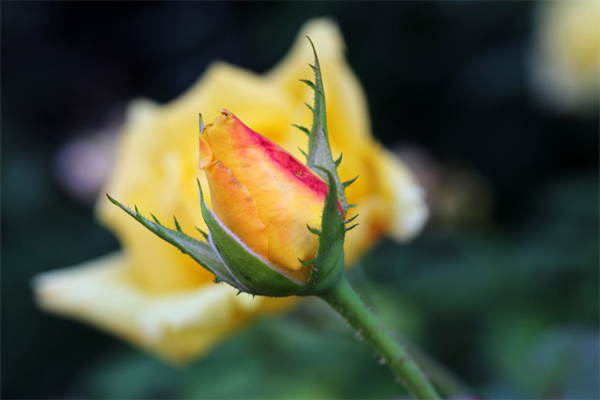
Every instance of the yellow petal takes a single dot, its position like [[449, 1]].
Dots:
[[347, 117], [156, 169], [150, 161], [206, 154], [176, 327], [566, 57], [405, 204], [370, 228]]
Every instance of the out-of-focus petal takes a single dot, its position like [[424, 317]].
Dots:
[[347, 112], [405, 198], [160, 299], [175, 327], [567, 57]]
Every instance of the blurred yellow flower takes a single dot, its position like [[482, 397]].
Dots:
[[158, 298], [567, 59]]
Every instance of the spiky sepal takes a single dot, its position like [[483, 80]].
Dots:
[[199, 250], [319, 157], [327, 266], [225, 255]]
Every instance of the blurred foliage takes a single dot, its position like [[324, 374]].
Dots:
[[511, 308]]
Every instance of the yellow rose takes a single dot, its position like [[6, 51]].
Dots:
[[160, 299]]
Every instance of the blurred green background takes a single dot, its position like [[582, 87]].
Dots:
[[502, 287]]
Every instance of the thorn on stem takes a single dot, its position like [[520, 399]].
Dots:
[[177, 226], [351, 219], [302, 128], [309, 83], [313, 230], [350, 182], [204, 234], [352, 227], [339, 160], [155, 219]]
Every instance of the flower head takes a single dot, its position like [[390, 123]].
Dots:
[[261, 192], [160, 299]]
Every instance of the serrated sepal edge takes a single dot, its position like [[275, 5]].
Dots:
[[199, 250], [327, 266]]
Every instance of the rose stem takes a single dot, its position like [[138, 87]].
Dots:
[[346, 302]]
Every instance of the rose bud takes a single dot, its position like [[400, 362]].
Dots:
[[263, 202]]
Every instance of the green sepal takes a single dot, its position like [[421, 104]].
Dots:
[[200, 251], [327, 267], [200, 122], [253, 274], [319, 157]]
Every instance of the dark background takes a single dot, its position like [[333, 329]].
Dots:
[[510, 305]]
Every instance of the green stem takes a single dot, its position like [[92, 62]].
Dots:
[[346, 302]]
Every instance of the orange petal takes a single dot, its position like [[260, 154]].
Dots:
[[289, 238], [288, 195], [235, 207], [206, 153]]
